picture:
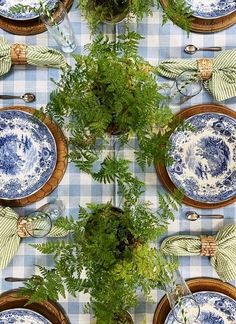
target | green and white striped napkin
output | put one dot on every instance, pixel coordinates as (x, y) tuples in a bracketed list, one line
[(224, 261), (35, 55), (9, 239), (222, 84)]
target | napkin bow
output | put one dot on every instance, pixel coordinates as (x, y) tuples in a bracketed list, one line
[(9, 238), (222, 82), (222, 245), (28, 54)]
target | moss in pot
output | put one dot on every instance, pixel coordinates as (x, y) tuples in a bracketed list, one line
[(112, 248)]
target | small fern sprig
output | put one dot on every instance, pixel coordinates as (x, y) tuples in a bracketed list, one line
[(113, 169), (179, 12), (169, 203)]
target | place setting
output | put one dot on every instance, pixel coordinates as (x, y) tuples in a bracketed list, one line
[(14, 310), (198, 300), (203, 157), (28, 143)]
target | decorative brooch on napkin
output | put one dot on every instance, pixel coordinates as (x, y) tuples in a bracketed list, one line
[(221, 248), (218, 74), (13, 229), (28, 54)]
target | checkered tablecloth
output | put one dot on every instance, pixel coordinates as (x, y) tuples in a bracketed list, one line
[(76, 188)]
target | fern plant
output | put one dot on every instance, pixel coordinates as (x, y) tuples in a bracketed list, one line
[(98, 11), (112, 91), (112, 247)]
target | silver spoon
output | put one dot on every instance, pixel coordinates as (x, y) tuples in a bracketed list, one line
[(27, 97), (191, 49), (193, 216)]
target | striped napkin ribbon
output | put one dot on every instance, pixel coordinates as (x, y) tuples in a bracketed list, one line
[(222, 84), (224, 260), (9, 239), (35, 55)]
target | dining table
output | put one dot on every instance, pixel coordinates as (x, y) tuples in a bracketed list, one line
[(160, 42)]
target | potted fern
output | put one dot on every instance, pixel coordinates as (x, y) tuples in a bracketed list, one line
[(112, 92), (112, 248), (113, 11)]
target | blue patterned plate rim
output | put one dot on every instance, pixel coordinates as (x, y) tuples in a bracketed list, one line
[(24, 312), (5, 6), (211, 9), (16, 188), (220, 307), (205, 168)]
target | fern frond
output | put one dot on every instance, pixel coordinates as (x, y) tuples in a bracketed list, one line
[(179, 12), (49, 247)]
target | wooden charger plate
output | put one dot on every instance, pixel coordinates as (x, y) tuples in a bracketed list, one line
[(200, 25), (161, 170), (196, 284), (27, 27), (60, 168), (49, 309)]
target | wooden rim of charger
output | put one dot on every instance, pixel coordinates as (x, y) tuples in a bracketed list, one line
[(200, 25), (60, 168), (49, 309), (195, 285)]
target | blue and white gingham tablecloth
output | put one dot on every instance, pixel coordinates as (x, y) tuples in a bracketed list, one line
[(77, 188)]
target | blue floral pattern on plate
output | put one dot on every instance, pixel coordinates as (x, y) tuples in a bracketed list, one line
[(28, 154), (6, 5), (204, 159), (21, 316), (210, 9), (215, 308)]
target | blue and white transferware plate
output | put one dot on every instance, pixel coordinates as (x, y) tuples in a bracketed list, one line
[(204, 159), (211, 9), (28, 154), (22, 316), (215, 308), (7, 5)]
